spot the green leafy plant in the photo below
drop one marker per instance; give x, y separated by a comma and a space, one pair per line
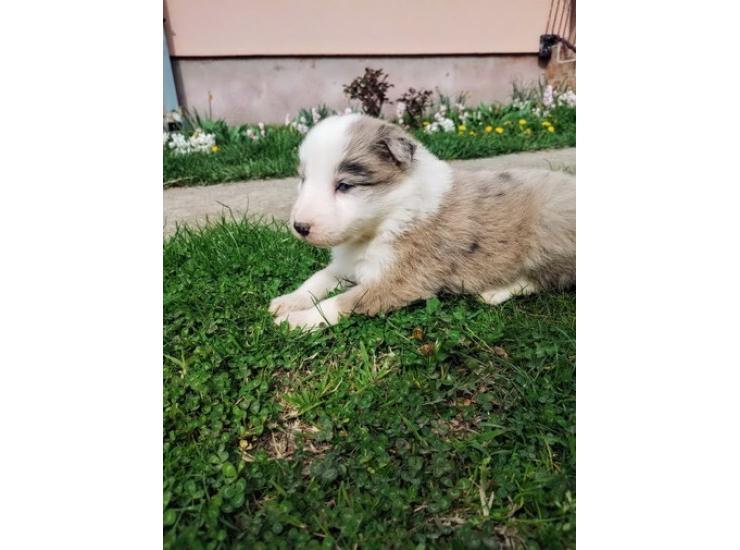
370, 90
487, 129
416, 103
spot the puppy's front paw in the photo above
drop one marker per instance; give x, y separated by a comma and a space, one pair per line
290, 302
307, 319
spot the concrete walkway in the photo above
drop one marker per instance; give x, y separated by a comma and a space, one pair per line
194, 206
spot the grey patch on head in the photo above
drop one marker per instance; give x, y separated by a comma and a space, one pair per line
354, 168
473, 247
350, 169
392, 145
382, 150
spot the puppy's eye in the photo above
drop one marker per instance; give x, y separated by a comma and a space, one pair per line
343, 187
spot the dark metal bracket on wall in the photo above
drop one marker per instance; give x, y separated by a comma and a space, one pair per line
547, 41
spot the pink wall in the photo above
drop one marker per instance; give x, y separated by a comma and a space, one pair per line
203, 28
266, 88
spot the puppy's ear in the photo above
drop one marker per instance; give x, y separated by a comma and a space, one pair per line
394, 146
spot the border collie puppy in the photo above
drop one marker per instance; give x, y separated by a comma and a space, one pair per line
403, 226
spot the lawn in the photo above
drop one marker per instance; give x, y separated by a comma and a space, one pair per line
488, 130
448, 424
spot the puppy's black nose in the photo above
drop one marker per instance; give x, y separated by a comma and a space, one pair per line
302, 228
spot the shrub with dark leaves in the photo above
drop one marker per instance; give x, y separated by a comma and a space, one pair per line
370, 90
415, 102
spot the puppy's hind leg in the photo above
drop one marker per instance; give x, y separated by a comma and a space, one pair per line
498, 295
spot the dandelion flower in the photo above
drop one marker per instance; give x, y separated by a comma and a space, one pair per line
461, 128
522, 122
472, 133
545, 123
499, 130
425, 123
551, 129
489, 129
528, 131
215, 148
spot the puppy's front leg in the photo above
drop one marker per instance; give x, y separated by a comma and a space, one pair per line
316, 287
368, 299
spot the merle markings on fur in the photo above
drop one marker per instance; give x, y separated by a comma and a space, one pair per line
403, 226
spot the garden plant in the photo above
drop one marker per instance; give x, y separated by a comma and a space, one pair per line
206, 151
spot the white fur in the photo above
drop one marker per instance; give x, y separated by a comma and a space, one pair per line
414, 198
336, 218
318, 204
497, 296
313, 290
340, 220
321, 313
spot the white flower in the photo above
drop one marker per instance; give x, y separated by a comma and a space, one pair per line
400, 110
261, 126
448, 125
287, 119
299, 125
315, 115
547, 96
432, 128
568, 98
441, 123
199, 142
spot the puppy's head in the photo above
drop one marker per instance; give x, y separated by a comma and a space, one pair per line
349, 167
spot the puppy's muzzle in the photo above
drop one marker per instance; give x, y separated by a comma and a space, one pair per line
303, 229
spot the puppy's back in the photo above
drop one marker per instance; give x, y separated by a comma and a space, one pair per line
502, 225
537, 209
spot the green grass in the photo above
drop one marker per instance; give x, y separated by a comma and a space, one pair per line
276, 156
384, 432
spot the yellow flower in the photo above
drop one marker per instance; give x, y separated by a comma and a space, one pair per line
461, 127
522, 122
215, 148
425, 123
507, 123
472, 133
545, 123
550, 129
499, 130
528, 131
489, 129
